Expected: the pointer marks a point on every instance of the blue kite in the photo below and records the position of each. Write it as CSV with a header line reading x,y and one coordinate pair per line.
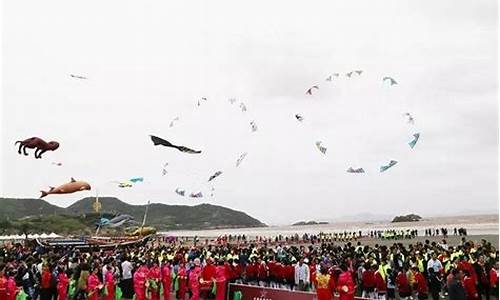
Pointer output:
x,y
136,179
416,136
391,164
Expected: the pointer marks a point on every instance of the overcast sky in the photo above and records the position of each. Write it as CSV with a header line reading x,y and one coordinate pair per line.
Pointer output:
x,y
148,62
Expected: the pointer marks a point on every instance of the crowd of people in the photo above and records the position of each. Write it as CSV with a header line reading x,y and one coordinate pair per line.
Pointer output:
x,y
171,269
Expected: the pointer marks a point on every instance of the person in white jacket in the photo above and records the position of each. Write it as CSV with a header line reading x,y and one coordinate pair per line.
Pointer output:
x,y
302,275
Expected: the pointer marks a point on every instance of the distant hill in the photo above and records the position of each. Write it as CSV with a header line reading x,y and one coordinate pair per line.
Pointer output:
x,y
81,214
407,218
302,223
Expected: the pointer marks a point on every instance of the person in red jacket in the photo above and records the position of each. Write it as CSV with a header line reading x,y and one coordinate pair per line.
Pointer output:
x,y
3,283
166,280
262,273
289,271
380,284
208,276
420,284
470,287
368,282
494,280
154,279
109,282
11,286
251,273
345,284
220,280
139,279
45,283
62,284
402,284
94,285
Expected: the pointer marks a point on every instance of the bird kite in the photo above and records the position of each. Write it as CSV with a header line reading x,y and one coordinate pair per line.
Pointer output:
x,y
203,99
180,192
243,107
391,164
173,121
309,91
38,144
57,164
299,117
320,147
391,80
68,188
359,72
77,76
216,174
411,120
254,126
330,78
159,141
232,100
196,195
412,143
164,171
349,74
240,159
358,170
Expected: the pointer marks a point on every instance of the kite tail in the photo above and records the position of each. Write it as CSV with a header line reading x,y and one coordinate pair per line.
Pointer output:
x,y
44,193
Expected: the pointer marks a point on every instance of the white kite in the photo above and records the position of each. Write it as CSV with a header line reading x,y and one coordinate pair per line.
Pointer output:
x,y
240,159
320,147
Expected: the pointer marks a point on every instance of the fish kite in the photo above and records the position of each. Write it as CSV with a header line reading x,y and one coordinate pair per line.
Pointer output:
x,y
309,91
391,164
180,192
196,195
411,120
240,159
359,72
159,141
243,107
254,126
77,76
232,100
124,184
136,179
416,136
172,122
216,174
164,171
38,144
299,117
358,170
391,80
68,188
320,147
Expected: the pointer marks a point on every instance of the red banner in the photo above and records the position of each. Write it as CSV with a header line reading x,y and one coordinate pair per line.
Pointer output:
x,y
251,292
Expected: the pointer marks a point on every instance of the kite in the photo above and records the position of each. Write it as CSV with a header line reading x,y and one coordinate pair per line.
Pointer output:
x,y
164,171
216,174
103,222
68,188
416,136
320,147
411,120
203,98
38,144
254,126
359,72
180,192
77,76
57,164
391,164
349,74
119,220
299,117
358,170
196,195
232,100
330,78
172,122
391,80
136,179
124,184
243,107
240,159
309,91
159,141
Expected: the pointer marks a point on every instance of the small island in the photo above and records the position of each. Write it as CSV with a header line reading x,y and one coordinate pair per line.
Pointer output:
x,y
304,223
407,218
